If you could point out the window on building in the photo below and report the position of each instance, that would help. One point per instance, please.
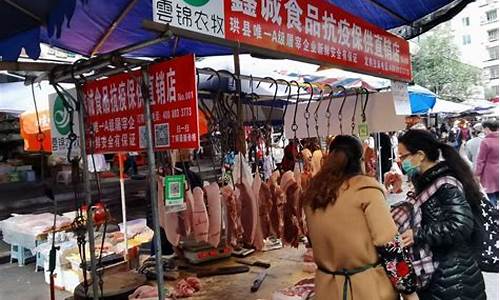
(491, 15)
(492, 72)
(466, 39)
(493, 35)
(466, 21)
(495, 90)
(493, 53)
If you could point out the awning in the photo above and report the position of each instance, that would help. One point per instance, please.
(88, 27)
(422, 100)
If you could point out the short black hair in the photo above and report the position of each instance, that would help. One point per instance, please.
(491, 124)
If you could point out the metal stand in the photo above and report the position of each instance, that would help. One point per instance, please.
(87, 191)
(152, 181)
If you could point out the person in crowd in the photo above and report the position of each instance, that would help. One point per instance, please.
(361, 232)
(486, 167)
(131, 163)
(472, 145)
(464, 134)
(447, 224)
(385, 152)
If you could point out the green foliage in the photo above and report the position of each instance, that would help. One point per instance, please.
(437, 66)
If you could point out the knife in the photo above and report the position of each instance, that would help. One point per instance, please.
(223, 271)
(258, 281)
(256, 263)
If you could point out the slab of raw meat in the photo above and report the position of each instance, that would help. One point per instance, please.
(235, 231)
(259, 237)
(278, 201)
(292, 209)
(169, 222)
(212, 193)
(265, 207)
(249, 212)
(187, 215)
(200, 216)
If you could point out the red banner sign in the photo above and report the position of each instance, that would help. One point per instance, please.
(320, 31)
(115, 109)
(316, 30)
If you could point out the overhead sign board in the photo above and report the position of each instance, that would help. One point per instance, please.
(115, 109)
(316, 30)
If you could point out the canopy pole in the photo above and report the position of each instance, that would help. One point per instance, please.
(124, 204)
(87, 191)
(240, 139)
(152, 182)
(112, 28)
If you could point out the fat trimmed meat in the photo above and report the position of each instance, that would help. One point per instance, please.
(265, 207)
(169, 221)
(200, 216)
(249, 209)
(213, 195)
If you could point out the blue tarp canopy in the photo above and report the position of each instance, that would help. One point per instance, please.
(422, 100)
(79, 25)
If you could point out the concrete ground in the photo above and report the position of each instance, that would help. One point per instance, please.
(23, 283)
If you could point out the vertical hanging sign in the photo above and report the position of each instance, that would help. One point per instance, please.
(115, 109)
(316, 30)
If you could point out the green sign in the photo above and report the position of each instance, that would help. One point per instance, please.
(363, 131)
(196, 2)
(174, 190)
(61, 117)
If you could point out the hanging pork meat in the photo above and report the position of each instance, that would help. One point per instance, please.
(169, 221)
(200, 216)
(258, 241)
(278, 202)
(186, 216)
(212, 193)
(292, 218)
(265, 207)
(317, 158)
(249, 212)
(235, 230)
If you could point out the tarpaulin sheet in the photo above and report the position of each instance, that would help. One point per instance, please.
(78, 25)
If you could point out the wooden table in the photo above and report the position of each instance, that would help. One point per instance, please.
(285, 270)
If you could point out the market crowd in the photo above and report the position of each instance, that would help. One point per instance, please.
(430, 246)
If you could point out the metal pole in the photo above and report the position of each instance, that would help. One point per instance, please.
(378, 148)
(124, 204)
(240, 144)
(87, 191)
(152, 182)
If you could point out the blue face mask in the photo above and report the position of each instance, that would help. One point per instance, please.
(409, 168)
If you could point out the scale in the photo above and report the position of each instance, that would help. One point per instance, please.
(199, 252)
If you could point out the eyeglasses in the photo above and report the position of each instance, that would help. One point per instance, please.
(404, 156)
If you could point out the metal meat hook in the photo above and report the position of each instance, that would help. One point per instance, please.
(339, 114)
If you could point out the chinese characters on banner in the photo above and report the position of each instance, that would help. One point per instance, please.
(115, 109)
(312, 29)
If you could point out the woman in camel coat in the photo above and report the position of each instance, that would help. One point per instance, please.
(354, 239)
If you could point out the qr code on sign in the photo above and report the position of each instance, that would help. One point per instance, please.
(175, 189)
(162, 135)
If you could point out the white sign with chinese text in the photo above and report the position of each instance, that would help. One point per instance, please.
(203, 16)
(62, 124)
(401, 98)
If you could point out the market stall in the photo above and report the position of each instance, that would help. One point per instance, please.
(155, 109)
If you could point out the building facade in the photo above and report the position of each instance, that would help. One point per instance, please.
(476, 33)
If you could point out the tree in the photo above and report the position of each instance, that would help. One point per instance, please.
(437, 66)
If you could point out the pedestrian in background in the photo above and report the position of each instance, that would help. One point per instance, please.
(487, 161)
(472, 146)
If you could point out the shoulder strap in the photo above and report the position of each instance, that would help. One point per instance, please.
(434, 187)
